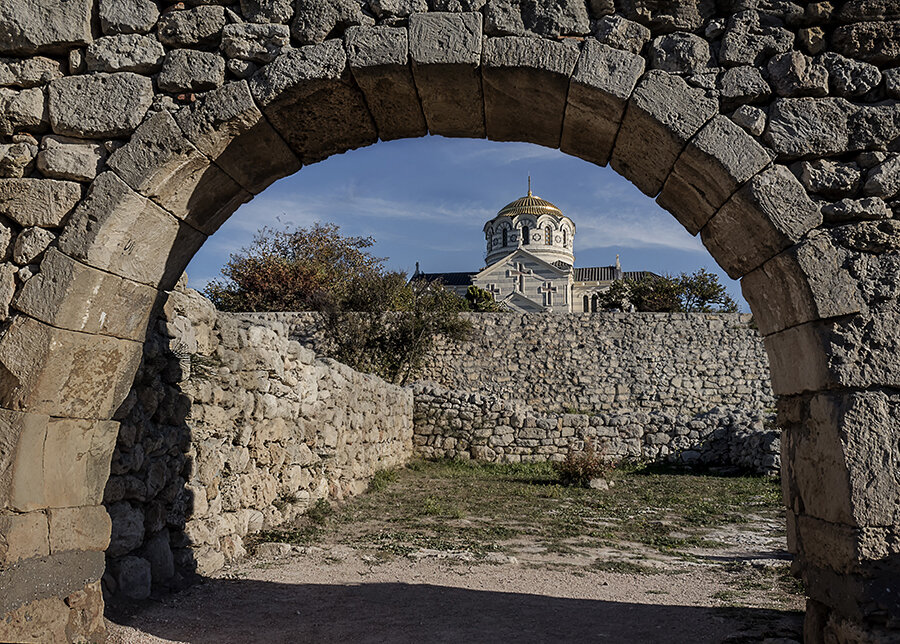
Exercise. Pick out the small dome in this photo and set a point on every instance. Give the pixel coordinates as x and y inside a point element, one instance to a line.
<point>529,205</point>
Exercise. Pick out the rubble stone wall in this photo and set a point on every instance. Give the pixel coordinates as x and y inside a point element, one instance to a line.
<point>460,424</point>
<point>232,428</point>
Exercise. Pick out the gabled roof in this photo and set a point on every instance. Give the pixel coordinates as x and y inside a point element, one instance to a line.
<point>526,304</point>
<point>608,274</point>
<point>518,253</point>
<point>447,279</point>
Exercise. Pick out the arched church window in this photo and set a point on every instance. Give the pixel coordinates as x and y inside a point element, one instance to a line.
<point>565,238</point>
<point>548,236</point>
<point>504,237</point>
<point>526,236</point>
<point>594,303</point>
<point>587,305</point>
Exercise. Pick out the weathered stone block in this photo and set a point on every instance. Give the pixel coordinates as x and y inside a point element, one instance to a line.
<point>807,282</point>
<point>716,162</point>
<point>53,462</point>
<point>31,244</point>
<point>445,49</point>
<point>117,230</point>
<point>29,72</point>
<point>620,33</point>
<point>663,16</point>
<point>64,373</point>
<point>603,81</point>
<point>128,16</point>
<point>884,180</point>
<point>769,214</point>
<point>84,528</point>
<point>809,127</point>
<point>23,536</point>
<point>750,40</point>
<point>525,85</point>
<point>187,70</point>
<point>71,159</point>
<point>226,125</point>
<point>134,577</point>
<point>662,115</point>
<point>795,74</point>
<point>32,26</point>
<point>743,84</point>
<point>22,111</point>
<point>71,295</point>
<point>379,60</point>
<point>309,97</point>
<point>315,20</point>
<point>73,102</point>
<point>681,53</point>
<point>261,43</point>
<point>872,42</point>
<point>200,26</point>
<point>279,11</point>
<point>124,53</point>
<point>160,163</point>
<point>38,202</point>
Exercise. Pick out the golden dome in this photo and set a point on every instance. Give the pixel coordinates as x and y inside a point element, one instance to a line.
<point>529,205</point>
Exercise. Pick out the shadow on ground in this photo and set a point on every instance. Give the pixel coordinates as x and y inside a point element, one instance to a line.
<point>259,611</point>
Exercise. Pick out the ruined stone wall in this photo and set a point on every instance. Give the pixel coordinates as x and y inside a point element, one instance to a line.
<point>460,424</point>
<point>598,362</point>
<point>231,428</point>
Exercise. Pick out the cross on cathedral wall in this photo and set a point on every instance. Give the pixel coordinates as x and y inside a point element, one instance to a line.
<point>521,272</point>
<point>548,289</point>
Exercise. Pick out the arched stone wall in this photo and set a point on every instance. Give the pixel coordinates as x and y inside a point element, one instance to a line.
<point>130,135</point>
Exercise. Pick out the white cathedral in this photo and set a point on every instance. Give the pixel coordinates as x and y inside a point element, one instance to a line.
<point>530,262</point>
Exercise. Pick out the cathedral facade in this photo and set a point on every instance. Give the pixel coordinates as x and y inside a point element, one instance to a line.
<point>531,262</point>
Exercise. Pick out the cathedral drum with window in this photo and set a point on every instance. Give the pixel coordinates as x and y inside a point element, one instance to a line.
<point>530,262</point>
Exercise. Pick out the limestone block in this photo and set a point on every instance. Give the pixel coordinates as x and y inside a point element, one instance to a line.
<point>749,40</point>
<point>752,119</point>
<point>445,49</point>
<point>32,26</point>
<point>743,84</point>
<point>892,82</point>
<point>715,163</point>
<point>7,288</point>
<point>397,8</point>
<point>603,81</point>
<point>872,42</point>
<point>850,78</point>
<point>662,115</point>
<point>23,536</point>
<point>16,159</point>
<point>85,528</point>
<point>53,462</point>
<point>884,180</point>
<point>378,57</point>
<point>809,127</point>
<point>795,74</point>
<point>769,214</point>
<point>124,53</point>
<point>160,163</point>
<point>128,16</point>
<point>200,26</point>
<point>621,33</point>
<point>829,178</point>
<point>134,577</point>
<point>188,70</point>
<point>261,43</point>
<point>226,126</point>
<point>38,202</point>
<point>667,15</point>
<point>279,11</point>
<point>29,72</point>
<point>315,20</point>
<point>22,111</point>
<point>71,295</point>
<point>503,18</point>
<point>127,528</point>
<point>681,53</point>
<point>62,157</point>
<point>525,85</point>
<point>31,244</point>
<point>117,230</point>
<point>850,210</point>
<point>73,102</point>
<point>309,97</point>
<point>807,282</point>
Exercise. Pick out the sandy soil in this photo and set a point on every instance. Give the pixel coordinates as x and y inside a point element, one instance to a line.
<point>338,594</point>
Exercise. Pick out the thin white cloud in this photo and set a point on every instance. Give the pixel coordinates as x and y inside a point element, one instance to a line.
<point>646,231</point>
<point>508,153</point>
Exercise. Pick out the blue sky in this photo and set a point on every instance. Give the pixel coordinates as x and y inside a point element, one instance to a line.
<point>428,199</point>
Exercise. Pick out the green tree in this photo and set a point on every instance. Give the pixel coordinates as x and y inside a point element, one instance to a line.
<point>700,291</point>
<point>289,270</point>
<point>481,301</point>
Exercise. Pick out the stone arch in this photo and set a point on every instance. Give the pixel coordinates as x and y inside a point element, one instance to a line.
<point>819,273</point>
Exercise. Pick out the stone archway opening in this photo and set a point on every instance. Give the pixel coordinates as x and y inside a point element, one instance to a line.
<point>818,273</point>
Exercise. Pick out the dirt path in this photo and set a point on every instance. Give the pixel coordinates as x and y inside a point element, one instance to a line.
<point>335,595</point>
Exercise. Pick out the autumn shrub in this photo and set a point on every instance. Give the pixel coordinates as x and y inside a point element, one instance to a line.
<point>579,468</point>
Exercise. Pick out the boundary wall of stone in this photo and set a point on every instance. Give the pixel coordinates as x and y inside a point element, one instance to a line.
<point>232,428</point>
<point>464,425</point>
<point>686,363</point>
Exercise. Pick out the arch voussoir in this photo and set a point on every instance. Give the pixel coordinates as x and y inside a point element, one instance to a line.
<point>445,50</point>
<point>603,81</point>
<point>526,81</point>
